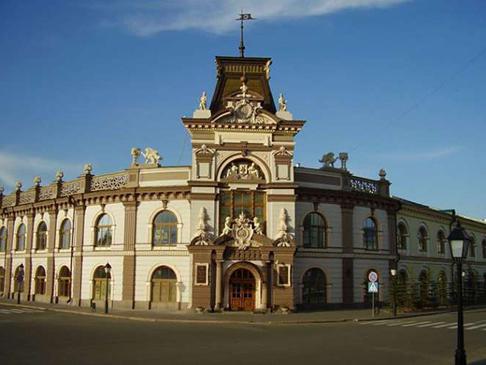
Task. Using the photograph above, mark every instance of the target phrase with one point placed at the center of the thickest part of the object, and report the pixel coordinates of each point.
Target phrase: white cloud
(148, 17)
(24, 168)
(433, 154)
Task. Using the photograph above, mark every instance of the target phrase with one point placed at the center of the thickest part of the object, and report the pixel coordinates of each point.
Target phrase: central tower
(242, 186)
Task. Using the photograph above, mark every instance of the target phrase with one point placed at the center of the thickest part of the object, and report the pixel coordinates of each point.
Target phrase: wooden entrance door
(242, 291)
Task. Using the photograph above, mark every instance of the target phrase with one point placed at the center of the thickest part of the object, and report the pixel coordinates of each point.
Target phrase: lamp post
(20, 281)
(459, 244)
(393, 273)
(107, 273)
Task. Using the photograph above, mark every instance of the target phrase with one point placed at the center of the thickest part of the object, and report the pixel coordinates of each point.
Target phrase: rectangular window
(283, 275)
(232, 203)
(202, 274)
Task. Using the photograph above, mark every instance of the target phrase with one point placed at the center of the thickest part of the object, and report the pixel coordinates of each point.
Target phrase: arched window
(423, 288)
(18, 285)
(402, 287)
(314, 231)
(164, 285)
(65, 234)
(40, 281)
(314, 287)
(42, 236)
(3, 239)
(104, 231)
(441, 242)
(164, 229)
(442, 288)
(20, 238)
(101, 283)
(64, 282)
(423, 236)
(484, 248)
(472, 246)
(402, 236)
(370, 234)
(2, 279)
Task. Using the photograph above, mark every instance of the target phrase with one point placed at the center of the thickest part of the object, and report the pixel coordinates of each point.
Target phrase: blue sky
(400, 85)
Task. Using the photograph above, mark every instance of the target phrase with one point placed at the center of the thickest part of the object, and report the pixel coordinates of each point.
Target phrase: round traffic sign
(373, 276)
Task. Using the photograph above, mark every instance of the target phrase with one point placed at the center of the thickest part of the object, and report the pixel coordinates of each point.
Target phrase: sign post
(373, 288)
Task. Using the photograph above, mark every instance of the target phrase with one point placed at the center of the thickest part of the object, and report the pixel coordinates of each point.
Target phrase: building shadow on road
(478, 362)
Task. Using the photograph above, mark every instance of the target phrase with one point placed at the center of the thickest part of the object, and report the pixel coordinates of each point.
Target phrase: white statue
(59, 175)
(202, 101)
(202, 234)
(232, 171)
(88, 168)
(257, 226)
(135, 152)
(253, 171)
(151, 156)
(227, 226)
(37, 181)
(283, 238)
(282, 103)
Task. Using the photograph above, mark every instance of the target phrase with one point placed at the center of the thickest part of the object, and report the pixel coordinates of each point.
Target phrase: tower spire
(242, 18)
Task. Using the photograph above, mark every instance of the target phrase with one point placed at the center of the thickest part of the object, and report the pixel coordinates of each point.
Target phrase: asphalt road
(46, 337)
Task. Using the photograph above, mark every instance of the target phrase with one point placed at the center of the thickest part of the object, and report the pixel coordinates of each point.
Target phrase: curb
(223, 321)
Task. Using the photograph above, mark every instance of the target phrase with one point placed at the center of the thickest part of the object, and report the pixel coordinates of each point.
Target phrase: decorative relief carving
(242, 170)
(70, 188)
(108, 182)
(46, 192)
(204, 151)
(284, 238)
(241, 230)
(283, 153)
(26, 197)
(364, 185)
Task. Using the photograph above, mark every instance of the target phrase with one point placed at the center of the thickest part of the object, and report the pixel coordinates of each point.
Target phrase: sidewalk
(324, 316)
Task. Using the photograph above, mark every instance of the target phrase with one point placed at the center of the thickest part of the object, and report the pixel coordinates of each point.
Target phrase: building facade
(241, 228)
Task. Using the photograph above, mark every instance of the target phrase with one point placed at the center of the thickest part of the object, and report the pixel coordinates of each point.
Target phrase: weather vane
(242, 18)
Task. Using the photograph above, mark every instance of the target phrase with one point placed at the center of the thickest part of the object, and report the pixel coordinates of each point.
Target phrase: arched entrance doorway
(242, 290)
(163, 288)
(314, 288)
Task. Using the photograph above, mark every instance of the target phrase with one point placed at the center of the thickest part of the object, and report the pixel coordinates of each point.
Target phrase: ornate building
(242, 228)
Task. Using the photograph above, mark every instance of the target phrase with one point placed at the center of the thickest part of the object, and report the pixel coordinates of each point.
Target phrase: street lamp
(107, 273)
(459, 245)
(20, 281)
(393, 273)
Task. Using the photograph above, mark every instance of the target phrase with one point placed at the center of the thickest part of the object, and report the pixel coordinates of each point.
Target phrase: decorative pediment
(243, 171)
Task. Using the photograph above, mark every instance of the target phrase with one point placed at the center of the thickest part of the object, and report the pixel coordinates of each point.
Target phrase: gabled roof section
(229, 72)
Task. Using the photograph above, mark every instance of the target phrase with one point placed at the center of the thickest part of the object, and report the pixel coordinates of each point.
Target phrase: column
(219, 284)
(270, 284)
(128, 289)
(26, 295)
(264, 295)
(51, 243)
(77, 249)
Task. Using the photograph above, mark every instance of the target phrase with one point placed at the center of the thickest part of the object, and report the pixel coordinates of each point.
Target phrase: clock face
(244, 112)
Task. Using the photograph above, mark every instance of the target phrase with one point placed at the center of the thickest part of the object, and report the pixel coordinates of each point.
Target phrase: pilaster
(128, 288)
(8, 254)
(28, 258)
(76, 274)
(51, 242)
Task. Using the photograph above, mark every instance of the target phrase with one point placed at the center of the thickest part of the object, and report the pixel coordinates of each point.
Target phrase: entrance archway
(242, 290)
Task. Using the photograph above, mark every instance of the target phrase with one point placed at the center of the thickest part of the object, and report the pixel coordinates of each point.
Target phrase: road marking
(380, 323)
(399, 323)
(476, 327)
(414, 324)
(465, 325)
(444, 325)
(430, 324)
